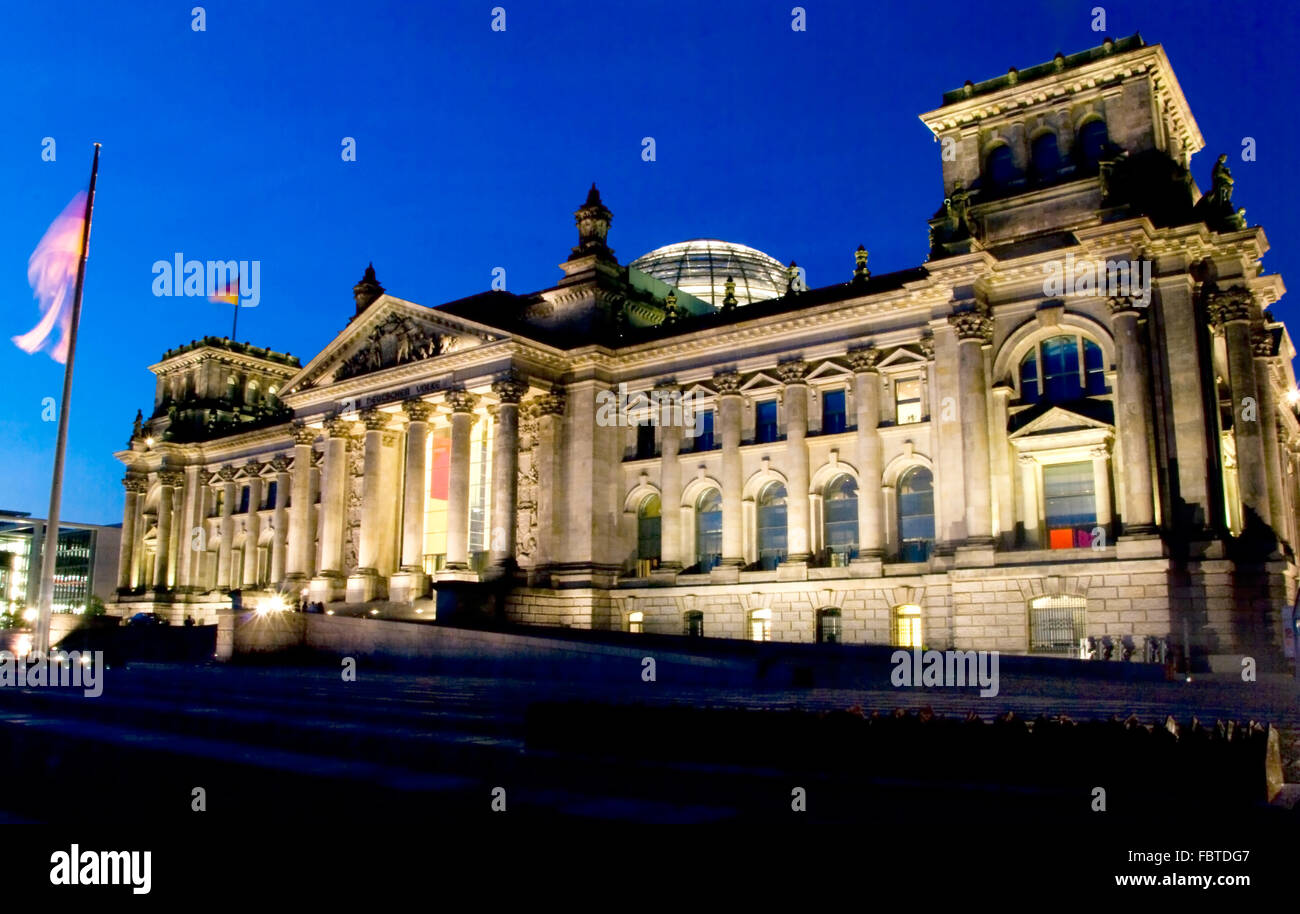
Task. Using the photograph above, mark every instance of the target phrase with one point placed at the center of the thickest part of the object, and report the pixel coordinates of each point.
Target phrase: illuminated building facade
(1074, 420)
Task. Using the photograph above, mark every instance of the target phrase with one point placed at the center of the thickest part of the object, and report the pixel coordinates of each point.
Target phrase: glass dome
(701, 267)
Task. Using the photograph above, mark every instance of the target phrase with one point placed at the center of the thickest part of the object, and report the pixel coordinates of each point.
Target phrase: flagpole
(50, 553)
(234, 328)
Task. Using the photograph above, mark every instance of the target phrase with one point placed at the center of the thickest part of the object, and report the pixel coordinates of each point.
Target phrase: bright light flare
(23, 647)
(272, 604)
(30, 614)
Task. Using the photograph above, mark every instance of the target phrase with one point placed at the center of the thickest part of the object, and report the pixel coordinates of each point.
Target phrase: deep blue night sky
(474, 147)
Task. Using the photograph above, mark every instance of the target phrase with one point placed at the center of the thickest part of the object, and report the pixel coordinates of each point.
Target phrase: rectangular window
(243, 500)
(907, 400)
(645, 441)
(704, 423)
(833, 414)
(270, 495)
(765, 421)
(1071, 504)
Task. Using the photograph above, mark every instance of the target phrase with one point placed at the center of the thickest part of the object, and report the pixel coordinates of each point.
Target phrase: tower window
(1000, 165)
(1047, 156)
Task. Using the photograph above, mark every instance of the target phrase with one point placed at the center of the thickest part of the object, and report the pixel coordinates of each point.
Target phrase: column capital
(461, 400)
(374, 420)
(172, 478)
(254, 467)
(795, 371)
(302, 434)
(727, 383)
(337, 427)
(226, 473)
(926, 345)
(510, 388)
(550, 404)
(972, 322)
(863, 359)
(280, 463)
(1229, 305)
(1261, 341)
(1123, 304)
(418, 410)
(135, 483)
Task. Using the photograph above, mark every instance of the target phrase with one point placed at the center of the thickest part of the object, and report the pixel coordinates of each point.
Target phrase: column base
(1134, 545)
(408, 586)
(366, 585)
(725, 574)
(457, 572)
(977, 552)
(327, 587)
(666, 573)
(792, 569)
(867, 566)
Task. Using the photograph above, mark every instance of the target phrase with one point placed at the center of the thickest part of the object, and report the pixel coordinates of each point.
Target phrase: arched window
(647, 534)
(1047, 156)
(828, 626)
(1060, 369)
(1000, 165)
(840, 510)
(636, 622)
(771, 525)
(915, 515)
(693, 624)
(1056, 623)
(708, 529)
(760, 625)
(1092, 142)
(907, 626)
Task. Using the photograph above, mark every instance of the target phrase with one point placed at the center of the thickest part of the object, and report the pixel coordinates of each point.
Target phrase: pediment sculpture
(396, 341)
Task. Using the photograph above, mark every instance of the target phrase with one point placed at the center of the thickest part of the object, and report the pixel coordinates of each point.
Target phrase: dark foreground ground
(301, 750)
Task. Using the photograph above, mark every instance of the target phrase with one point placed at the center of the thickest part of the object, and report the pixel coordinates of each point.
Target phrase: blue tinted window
(1061, 368)
(1029, 377)
(771, 526)
(916, 514)
(704, 423)
(765, 421)
(1000, 167)
(833, 416)
(708, 529)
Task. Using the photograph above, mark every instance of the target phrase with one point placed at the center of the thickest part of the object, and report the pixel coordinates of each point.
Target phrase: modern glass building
(85, 562)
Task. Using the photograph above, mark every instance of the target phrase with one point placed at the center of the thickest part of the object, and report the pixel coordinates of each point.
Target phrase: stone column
(730, 402)
(1262, 343)
(1101, 490)
(372, 490)
(301, 556)
(333, 500)
(135, 486)
(410, 582)
(413, 494)
(462, 420)
(550, 424)
(974, 329)
(671, 421)
(280, 540)
(1133, 416)
(866, 398)
(169, 481)
(1030, 520)
(1234, 311)
(798, 533)
(505, 470)
(227, 527)
(253, 524)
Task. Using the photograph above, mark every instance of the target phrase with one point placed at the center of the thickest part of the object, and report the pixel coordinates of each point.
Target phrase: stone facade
(1075, 420)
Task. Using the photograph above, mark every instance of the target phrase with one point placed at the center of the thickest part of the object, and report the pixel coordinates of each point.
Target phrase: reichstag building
(1075, 420)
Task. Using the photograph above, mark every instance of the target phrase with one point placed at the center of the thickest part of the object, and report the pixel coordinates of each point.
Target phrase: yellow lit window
(907, 400)
(760, 625)
(907, 625)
